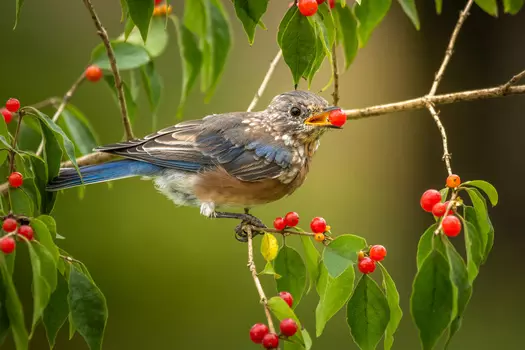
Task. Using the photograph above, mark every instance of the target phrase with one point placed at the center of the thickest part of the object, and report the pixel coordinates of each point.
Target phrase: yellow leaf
(269, 247)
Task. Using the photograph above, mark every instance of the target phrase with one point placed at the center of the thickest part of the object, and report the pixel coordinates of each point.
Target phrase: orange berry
(93, 73)
(319, 237)
(453, 181)
(360, 255)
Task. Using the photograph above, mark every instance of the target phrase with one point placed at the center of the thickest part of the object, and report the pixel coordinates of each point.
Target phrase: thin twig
(265, 81)
(514, 80)
(253, 270)
(437, 79)
(15, 140)
(335, 72)
(65, 100)
(113, 62)
(47, 102)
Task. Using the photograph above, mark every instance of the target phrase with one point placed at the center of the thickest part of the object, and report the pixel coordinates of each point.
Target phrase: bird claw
(247, 220)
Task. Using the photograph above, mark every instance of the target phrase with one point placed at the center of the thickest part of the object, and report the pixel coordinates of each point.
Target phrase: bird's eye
(295, 111)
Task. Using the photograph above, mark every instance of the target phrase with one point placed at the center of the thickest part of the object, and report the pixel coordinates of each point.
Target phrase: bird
(239, 159)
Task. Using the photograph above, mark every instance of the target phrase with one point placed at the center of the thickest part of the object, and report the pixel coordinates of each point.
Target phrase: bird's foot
(241, 233)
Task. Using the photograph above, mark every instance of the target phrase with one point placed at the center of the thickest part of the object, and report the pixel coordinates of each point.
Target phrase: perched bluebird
(239, 159)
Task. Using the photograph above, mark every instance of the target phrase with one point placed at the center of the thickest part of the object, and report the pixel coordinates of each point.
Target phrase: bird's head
(301, 114)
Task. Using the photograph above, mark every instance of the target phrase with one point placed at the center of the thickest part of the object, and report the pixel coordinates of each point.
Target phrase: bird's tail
(120, 169)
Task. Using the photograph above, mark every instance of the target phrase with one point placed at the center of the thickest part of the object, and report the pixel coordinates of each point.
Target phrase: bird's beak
(322, 118)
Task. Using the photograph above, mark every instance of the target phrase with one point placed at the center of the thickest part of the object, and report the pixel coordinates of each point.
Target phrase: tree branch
(335, 72)
(113, 62)
(265, 81)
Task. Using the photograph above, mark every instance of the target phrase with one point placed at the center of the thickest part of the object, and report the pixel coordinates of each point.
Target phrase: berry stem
(113, 62)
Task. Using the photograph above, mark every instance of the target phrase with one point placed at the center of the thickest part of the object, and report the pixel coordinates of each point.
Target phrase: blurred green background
(175, 280)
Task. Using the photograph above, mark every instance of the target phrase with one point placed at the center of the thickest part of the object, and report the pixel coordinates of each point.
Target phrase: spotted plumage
(238, 159)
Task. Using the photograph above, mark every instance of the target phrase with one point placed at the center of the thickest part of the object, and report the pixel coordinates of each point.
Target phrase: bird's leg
(246, 219)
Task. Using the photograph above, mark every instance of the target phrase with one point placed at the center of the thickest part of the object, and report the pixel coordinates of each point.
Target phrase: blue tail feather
(91, 174)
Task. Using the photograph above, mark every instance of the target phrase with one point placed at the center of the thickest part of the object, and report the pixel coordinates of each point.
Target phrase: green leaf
(480, 207)
(152, 83)
(250, 13)
(290, 266)
(312, 257)
(512, 6)
(432, 300)
(281, 310)
(474, 243)
(195, 14)
(335, 295)
(14, 308)
(191, 58)
(458, 276)
(341, 253)
(88, 308)
(297, 39)
(56, 312)
(39, 167)
(124, 10)
(31, 190)
(21, 204)
(489, 6)
(141, 12)
(320, 54)
(409, 6)
(80, 130)
(157, 37)
(268, 270)
(439, 6)
(218, 41)
(490, 242)
(392, 296)
(43, 235)
(425, 245)
(52, 153)
(324, 21)
(487, 188)
(369, 14)
(347, 32)
(19, 4)
(322, 280)
(367, 313)
(130, 102)
(127, 55)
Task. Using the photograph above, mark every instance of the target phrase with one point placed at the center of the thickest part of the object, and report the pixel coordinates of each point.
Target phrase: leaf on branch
(269, 247)
(157, 37)
(20, 202)
(152, 83)
(474, 243)
(130, 102)
(341, 253)
(489, 6)
(88, 308)
(141, 12)
(409, 6)
(127, 55)
(79, 129)
(336, 293)
(191, 57)
(346, 32)
(312, 258)
(290, 266)
(481, 217)
(56, 312)
(367, 313)
(439, 6)
(432, 300)
(487, 188)
(512, 6)
(250, 13)
(392, 296)
(43, 235)
(281, 310)
(369, 14)
(19, 4)
(424, 246)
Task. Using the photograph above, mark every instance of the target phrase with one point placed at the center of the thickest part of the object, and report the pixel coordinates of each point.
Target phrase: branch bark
(265, 81)
(116, 74)
(335, 72)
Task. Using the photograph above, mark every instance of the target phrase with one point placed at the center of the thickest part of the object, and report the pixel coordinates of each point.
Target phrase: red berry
(429, 199)
(26, 231)
(12, 105)
(451, 225)
(318, 225)
(377, 252)
(337, 118)
(15, 179)
(291, 219)
(366, 265)
(287, 297)
(332, 3)
(157, 2)
(93, 73)
(257, 332)
(308, 7)
(9, 225)
(288, 327)
(453, 181)
(319, 2)
(271, 340)
(7, 245)
(279, 224)
(439, 209)
(8, 116)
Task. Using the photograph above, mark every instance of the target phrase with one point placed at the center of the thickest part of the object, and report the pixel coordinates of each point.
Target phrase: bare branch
(62, 106)
(265, 81)
(335, 72)
(113, 62)
(514, 80)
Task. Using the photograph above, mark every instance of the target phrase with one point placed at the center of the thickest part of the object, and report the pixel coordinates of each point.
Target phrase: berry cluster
(10, 226)
(318, 225)
(260, 334)
(310, 7)
(431, 202)
(11, 106)
(290, 220)
(367, 264)
(93, 73)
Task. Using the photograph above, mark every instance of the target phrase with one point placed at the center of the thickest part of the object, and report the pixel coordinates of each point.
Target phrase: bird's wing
(217, 140)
